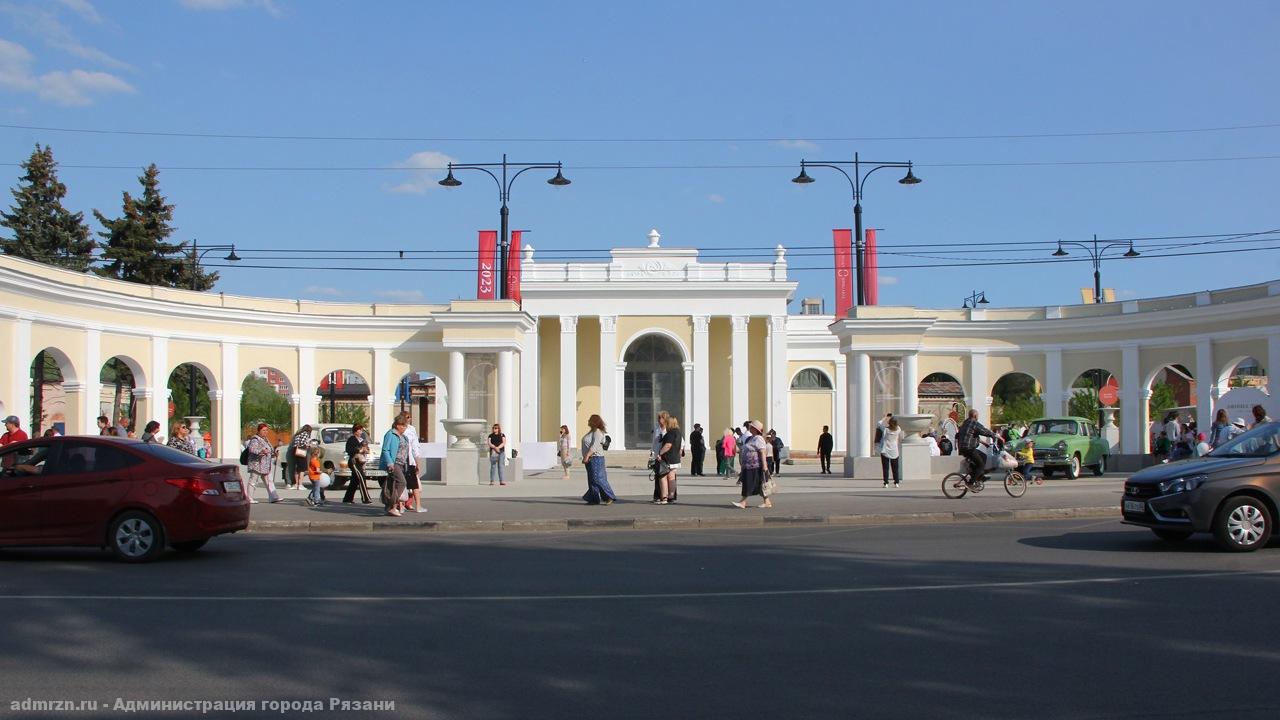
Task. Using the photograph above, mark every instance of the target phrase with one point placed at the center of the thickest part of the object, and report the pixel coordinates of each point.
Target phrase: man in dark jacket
(967, 443)
(698, 446)
(825, 444)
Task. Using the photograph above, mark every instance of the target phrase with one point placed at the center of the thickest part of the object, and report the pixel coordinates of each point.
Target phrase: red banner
(871, 270)
(486, 267)
(513, 267)
(844, 270)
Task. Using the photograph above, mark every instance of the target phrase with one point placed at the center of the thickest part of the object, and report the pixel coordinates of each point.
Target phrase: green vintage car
(1067, 444)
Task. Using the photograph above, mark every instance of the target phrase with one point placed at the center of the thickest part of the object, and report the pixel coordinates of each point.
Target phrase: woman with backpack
(259, 458)
(594, 445)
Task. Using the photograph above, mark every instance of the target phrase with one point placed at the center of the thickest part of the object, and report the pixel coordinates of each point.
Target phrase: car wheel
(1101, 468)
(190, 546)
(136, 536)
(1171, 535)
(1073, 470)
(1242, 524)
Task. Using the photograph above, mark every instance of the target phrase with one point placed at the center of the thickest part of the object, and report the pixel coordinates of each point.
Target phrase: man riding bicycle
(967, 442)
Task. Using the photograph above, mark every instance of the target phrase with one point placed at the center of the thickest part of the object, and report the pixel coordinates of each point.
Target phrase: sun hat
(759, 426)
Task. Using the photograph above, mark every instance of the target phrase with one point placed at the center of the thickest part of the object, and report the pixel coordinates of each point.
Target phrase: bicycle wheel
(954, 486)
(1015, 484)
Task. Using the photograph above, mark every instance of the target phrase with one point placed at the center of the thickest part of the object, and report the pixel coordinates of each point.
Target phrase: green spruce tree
(137, 247)
(43, 230)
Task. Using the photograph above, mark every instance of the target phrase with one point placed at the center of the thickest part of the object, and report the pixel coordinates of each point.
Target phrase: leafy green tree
(137, 245)
(260, 403)
(345, 413)
(117, 375)
(1162, 398)
(43, 230)
(180, 391)
(1017, 410)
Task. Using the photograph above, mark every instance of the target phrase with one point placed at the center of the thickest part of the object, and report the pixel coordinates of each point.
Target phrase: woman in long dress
(593, 450)
(751, 454)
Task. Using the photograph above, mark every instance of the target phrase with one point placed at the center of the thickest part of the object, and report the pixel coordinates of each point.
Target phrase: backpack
(944, 446)
(607, 441)
(244, 455)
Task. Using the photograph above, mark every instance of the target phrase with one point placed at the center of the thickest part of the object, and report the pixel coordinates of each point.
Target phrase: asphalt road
(1045, 619)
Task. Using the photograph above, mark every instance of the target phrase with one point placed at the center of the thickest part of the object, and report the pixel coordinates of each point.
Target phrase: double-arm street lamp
(504, 194)
(1095, 255)
(856, 182)
(196, 256)
(974, 300)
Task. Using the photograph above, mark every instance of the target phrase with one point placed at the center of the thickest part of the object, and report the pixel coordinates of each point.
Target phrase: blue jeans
(597, 482)
(317, 488)
(495, 467)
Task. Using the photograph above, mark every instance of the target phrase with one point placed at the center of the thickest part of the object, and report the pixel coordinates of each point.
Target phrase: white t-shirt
(934, 450)
(891, 442)
(411, 437)
(1173, 431)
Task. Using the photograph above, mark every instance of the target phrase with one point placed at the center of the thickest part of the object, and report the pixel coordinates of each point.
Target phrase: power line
(793, 139)
(591, 168)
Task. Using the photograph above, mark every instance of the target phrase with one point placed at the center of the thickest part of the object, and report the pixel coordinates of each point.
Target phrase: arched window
(811, 379)
(653, 381)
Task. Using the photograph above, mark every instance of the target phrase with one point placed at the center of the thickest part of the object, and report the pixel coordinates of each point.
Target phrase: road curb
(743, 520)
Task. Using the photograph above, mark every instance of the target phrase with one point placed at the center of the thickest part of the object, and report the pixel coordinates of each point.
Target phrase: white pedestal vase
(914, 462)
(462, 458)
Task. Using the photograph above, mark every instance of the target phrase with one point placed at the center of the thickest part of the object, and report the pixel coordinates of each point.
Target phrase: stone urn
(913, 425)
(466, 430)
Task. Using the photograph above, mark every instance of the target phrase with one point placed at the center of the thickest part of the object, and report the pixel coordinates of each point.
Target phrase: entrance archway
(653, 381)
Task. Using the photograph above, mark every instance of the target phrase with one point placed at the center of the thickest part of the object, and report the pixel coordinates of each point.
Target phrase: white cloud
(427, 167)
(888, 279)
(45, 25)
(716, 198)
(79, 87)
(15, 67)
(269, 6)
(796, 144)
(322, 291)
(84, 9)
(74, 87)
(407, 296)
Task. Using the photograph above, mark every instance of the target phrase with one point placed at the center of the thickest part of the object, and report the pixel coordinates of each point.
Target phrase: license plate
(231, 487)
(1135, 506)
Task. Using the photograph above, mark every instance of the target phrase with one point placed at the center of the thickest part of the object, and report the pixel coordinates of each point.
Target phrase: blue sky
(759, 85)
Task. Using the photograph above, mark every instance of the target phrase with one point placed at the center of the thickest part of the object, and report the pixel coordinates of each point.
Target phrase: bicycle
(957, 485)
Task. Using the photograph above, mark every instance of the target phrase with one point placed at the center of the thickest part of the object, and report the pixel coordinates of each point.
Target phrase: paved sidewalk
(548, 503)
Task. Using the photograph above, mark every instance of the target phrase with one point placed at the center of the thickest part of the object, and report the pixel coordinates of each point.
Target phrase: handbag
(300, 452)
(768, 488)
(660, 467)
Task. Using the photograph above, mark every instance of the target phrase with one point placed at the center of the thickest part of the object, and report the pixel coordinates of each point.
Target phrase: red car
(132, 497)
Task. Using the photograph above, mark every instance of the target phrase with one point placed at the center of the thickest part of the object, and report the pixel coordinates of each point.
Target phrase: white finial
(528, 253)
(779, 254)
(654, 237)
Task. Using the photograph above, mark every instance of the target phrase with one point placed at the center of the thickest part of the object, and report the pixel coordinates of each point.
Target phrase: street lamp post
(196, 255)
(976, 299)
(1095, 255)
(856, 182)
(504, 194)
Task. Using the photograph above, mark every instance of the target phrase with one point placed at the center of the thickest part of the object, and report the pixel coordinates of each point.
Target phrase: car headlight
(1062, 446)
(1182, 484)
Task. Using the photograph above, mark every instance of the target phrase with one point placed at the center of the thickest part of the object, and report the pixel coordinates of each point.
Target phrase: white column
(1133, 428)
(457, 385)
(1206, 382)
(309, 409)
(910, 384)
(91, 383)
(1054, 383)
(506, 393)
(159, 384)
(978, 398)
(779, 389)
(619, 435)
(529, 386)
(610, 408)
(840, 413)
(701, 372)
(20, 378)
(384, 393)
(1273, 368)
(227, 435)
(569, 371)
(859, 419)
(686, 419)
(739, 404)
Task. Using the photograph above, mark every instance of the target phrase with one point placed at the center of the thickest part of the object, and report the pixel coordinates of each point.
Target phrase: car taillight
(196, 486)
